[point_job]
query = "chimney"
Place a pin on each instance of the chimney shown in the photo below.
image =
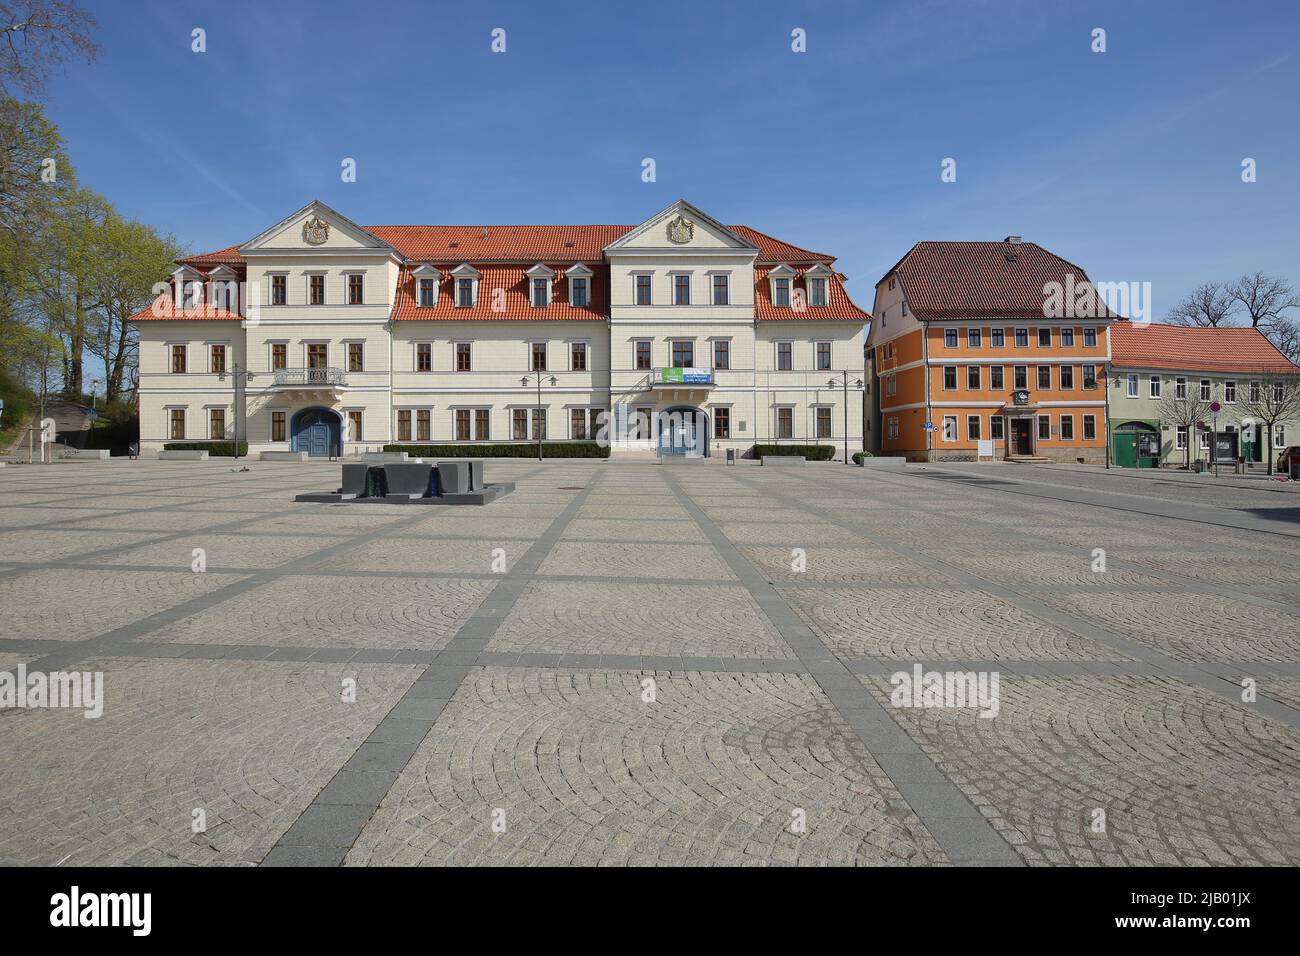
(1012, 242)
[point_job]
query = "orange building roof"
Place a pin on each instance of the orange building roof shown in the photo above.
(164, 309)
(1183, 348)
(957, 280)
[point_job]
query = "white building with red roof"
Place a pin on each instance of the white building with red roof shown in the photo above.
(676, 336)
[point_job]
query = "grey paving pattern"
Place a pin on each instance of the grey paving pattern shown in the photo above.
(502, 718)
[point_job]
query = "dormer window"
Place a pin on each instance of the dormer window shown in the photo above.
(189, 287)
(467, 278)
(540, 277)
(579, 277)
(817, 279)
(780, 279)
(426, 286)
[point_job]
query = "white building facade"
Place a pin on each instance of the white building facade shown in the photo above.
(680, 336)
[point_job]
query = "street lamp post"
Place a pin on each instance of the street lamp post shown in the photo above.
(842, 380)
(551, 381)
(237, 377)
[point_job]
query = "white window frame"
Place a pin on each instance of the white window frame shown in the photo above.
(1061, 426)
(1067, 337)
(415, 357)
(1132, 388)
(979, 428)
(673, 276)
(974, 338)
(347, 286)
(1044, 420)
(950, 338)
(1155, 386)
(578, 273)
(949, 419)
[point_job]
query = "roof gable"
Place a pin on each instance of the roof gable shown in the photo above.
(680, 228)
(292, 234)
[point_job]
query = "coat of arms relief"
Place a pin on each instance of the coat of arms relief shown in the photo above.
(680, 230)
(315, 231)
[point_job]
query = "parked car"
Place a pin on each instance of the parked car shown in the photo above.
(1288, 456)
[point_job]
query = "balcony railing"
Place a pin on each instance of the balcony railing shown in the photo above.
(310, 377)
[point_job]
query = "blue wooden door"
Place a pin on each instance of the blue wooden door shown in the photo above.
(318, 441)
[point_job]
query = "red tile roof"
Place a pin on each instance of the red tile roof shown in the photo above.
(503, 296)
(164, 309)
(520, 244)
(228, 256)
(839, 305)
(558, 246)
(951, 280)
(499, 243)
(1177, 347)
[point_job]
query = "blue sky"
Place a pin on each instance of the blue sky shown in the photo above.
(1127, 162)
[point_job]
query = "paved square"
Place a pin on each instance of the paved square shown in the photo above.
(644, 664)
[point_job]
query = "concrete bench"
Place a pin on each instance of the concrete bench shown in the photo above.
(384, 457)
(186, 455)
(884, 462)
(282, 456)
(85, 454)
(354, 479)
(783, 460)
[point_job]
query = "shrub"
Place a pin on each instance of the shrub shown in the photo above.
(858, 456)
(810, 452)
(217, 449)
(550, 449)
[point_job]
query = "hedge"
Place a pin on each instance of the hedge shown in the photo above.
(859, 455)
(810, 452)
(217, 449)
(550, 449)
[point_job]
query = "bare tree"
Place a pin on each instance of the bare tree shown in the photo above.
(1185, 411)
(1285, 335)
(38, 37)
(1209, 305)
(1271, 398)
(1263, 298)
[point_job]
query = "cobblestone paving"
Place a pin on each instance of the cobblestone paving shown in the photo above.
(248, 744)
(768, 609)
(579, 770)
(1183, 778)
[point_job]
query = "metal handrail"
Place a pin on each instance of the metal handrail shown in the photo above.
(310, 376)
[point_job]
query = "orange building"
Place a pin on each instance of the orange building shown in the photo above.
(999, 347)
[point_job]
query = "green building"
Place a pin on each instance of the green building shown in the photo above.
(1162, 383)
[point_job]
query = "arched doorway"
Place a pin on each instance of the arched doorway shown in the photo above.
(683, 430)
(1135, 444)
(318, 432)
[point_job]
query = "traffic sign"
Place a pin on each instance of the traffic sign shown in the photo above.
(1215, 406)
(928, 426)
